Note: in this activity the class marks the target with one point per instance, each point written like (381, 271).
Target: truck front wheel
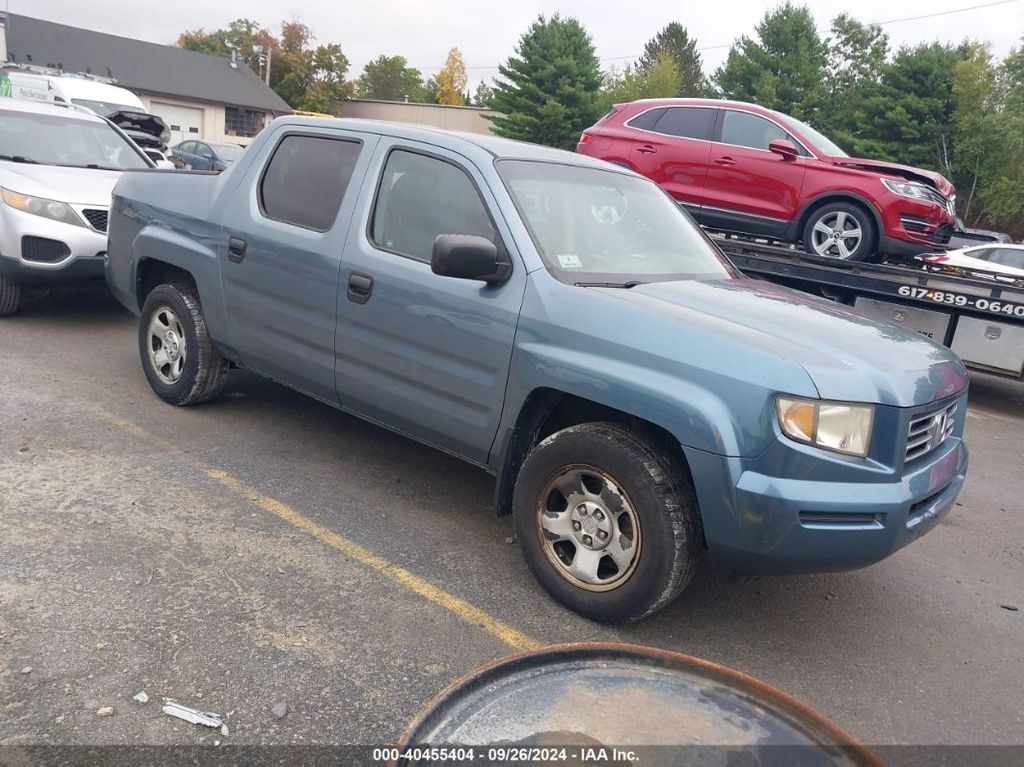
(607, 521)
(10, 296)
(178, 356)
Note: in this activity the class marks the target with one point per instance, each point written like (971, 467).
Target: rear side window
(646, 120)
(421, 197)
(306, 179)
(1008, 257)
(687, 122)
(745, 129)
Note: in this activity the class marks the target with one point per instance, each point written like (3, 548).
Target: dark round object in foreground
(664, 707)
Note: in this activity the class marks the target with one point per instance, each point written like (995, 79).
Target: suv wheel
(178, 356)
(607, 521)
(840, 230)
(10, 296)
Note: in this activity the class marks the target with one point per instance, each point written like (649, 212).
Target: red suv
(742, 168)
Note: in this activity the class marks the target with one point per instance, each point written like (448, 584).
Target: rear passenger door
(673, 148)
(424, 354)
(285, 229)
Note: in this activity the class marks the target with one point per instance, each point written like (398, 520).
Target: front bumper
(911, 227)
(83, 252)
(760, 523)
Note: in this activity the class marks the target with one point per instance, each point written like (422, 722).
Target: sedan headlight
(40, 206)
(909, 189)
(838, 426)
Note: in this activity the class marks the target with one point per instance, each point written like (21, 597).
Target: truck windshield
(73, 142)
(598, 226)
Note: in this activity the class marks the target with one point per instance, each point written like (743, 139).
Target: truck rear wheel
(608, 522)
(10, 296)
(178, 356)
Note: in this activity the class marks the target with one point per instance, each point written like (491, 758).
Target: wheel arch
(546, 411)
(152, 272)
(819, 201)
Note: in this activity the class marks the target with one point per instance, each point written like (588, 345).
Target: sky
(424, 30)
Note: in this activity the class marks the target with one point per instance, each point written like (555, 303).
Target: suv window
(745, 129)
(188, 147)
(306, 178)
(646, 120)
(688, 122)
(421, 197)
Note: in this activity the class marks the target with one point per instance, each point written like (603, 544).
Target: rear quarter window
(646, 120)
(306, 179)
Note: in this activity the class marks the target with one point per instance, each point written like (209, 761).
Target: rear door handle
(646, 149)
(360, 286)
(236, 249)
(725, 161)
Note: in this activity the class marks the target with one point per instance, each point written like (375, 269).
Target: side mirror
(468, 257)
(784, 148)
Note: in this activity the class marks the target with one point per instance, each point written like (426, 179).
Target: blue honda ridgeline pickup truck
(559, 322)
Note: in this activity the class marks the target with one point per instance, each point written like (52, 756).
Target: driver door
(423, 354)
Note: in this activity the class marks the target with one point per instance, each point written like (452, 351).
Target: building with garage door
(200, 96)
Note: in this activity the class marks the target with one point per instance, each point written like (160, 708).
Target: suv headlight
(838, 426)
(913, 189)
(40, 206)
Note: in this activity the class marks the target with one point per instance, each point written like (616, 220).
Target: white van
(101, 98)
(26, 86)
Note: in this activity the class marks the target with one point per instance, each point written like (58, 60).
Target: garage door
(185, 122)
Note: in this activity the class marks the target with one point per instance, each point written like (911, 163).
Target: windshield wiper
(19, 158)
(628, 284)
(88, 165)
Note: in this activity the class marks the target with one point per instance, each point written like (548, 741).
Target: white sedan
(996, 258)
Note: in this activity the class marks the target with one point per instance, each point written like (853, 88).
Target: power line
(933, 15)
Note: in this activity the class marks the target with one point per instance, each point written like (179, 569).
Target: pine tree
(674, 41)
(547, 91)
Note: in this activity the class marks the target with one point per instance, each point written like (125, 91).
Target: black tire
(10, 296)
(656, 486)
(204, 371)
(866, 247)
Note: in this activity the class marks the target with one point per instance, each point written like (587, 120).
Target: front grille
(929, 430)
(43, 250)
(942, 234)
(97, 218)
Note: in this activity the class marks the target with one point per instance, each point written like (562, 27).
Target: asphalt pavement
(266, 549)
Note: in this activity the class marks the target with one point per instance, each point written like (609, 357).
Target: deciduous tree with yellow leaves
(452, 79)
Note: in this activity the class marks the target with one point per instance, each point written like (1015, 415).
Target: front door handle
(236, 249)
(646, 149)
(725, 161)
(360, 286)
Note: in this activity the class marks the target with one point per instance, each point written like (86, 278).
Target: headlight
(40, 206)
(909, 189)
(844, 428)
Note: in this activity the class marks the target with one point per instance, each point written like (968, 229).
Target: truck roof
(465, 142)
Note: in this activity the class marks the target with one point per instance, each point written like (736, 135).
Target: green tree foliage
(547, 90)
(659, 79)
(390, 78)
(306, 76)
(1001, 191)
(782, 68)
(856, 58)
(675, 42)
(483, 96)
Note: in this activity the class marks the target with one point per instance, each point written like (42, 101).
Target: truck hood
(848, 356)
(82, 186)
(932, 179)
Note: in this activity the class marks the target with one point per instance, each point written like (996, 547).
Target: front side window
(306, 179)
(421, 197)
(745, 129)
(73, 142)
(593, 225)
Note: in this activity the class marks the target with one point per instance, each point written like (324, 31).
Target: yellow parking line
(514, 638)
(467, 612)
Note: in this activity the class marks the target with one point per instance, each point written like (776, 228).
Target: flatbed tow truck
(979, 315)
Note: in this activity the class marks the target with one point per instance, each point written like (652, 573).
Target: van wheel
(10, 296)
(608, 521)
(178, 356)
(840, 230)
